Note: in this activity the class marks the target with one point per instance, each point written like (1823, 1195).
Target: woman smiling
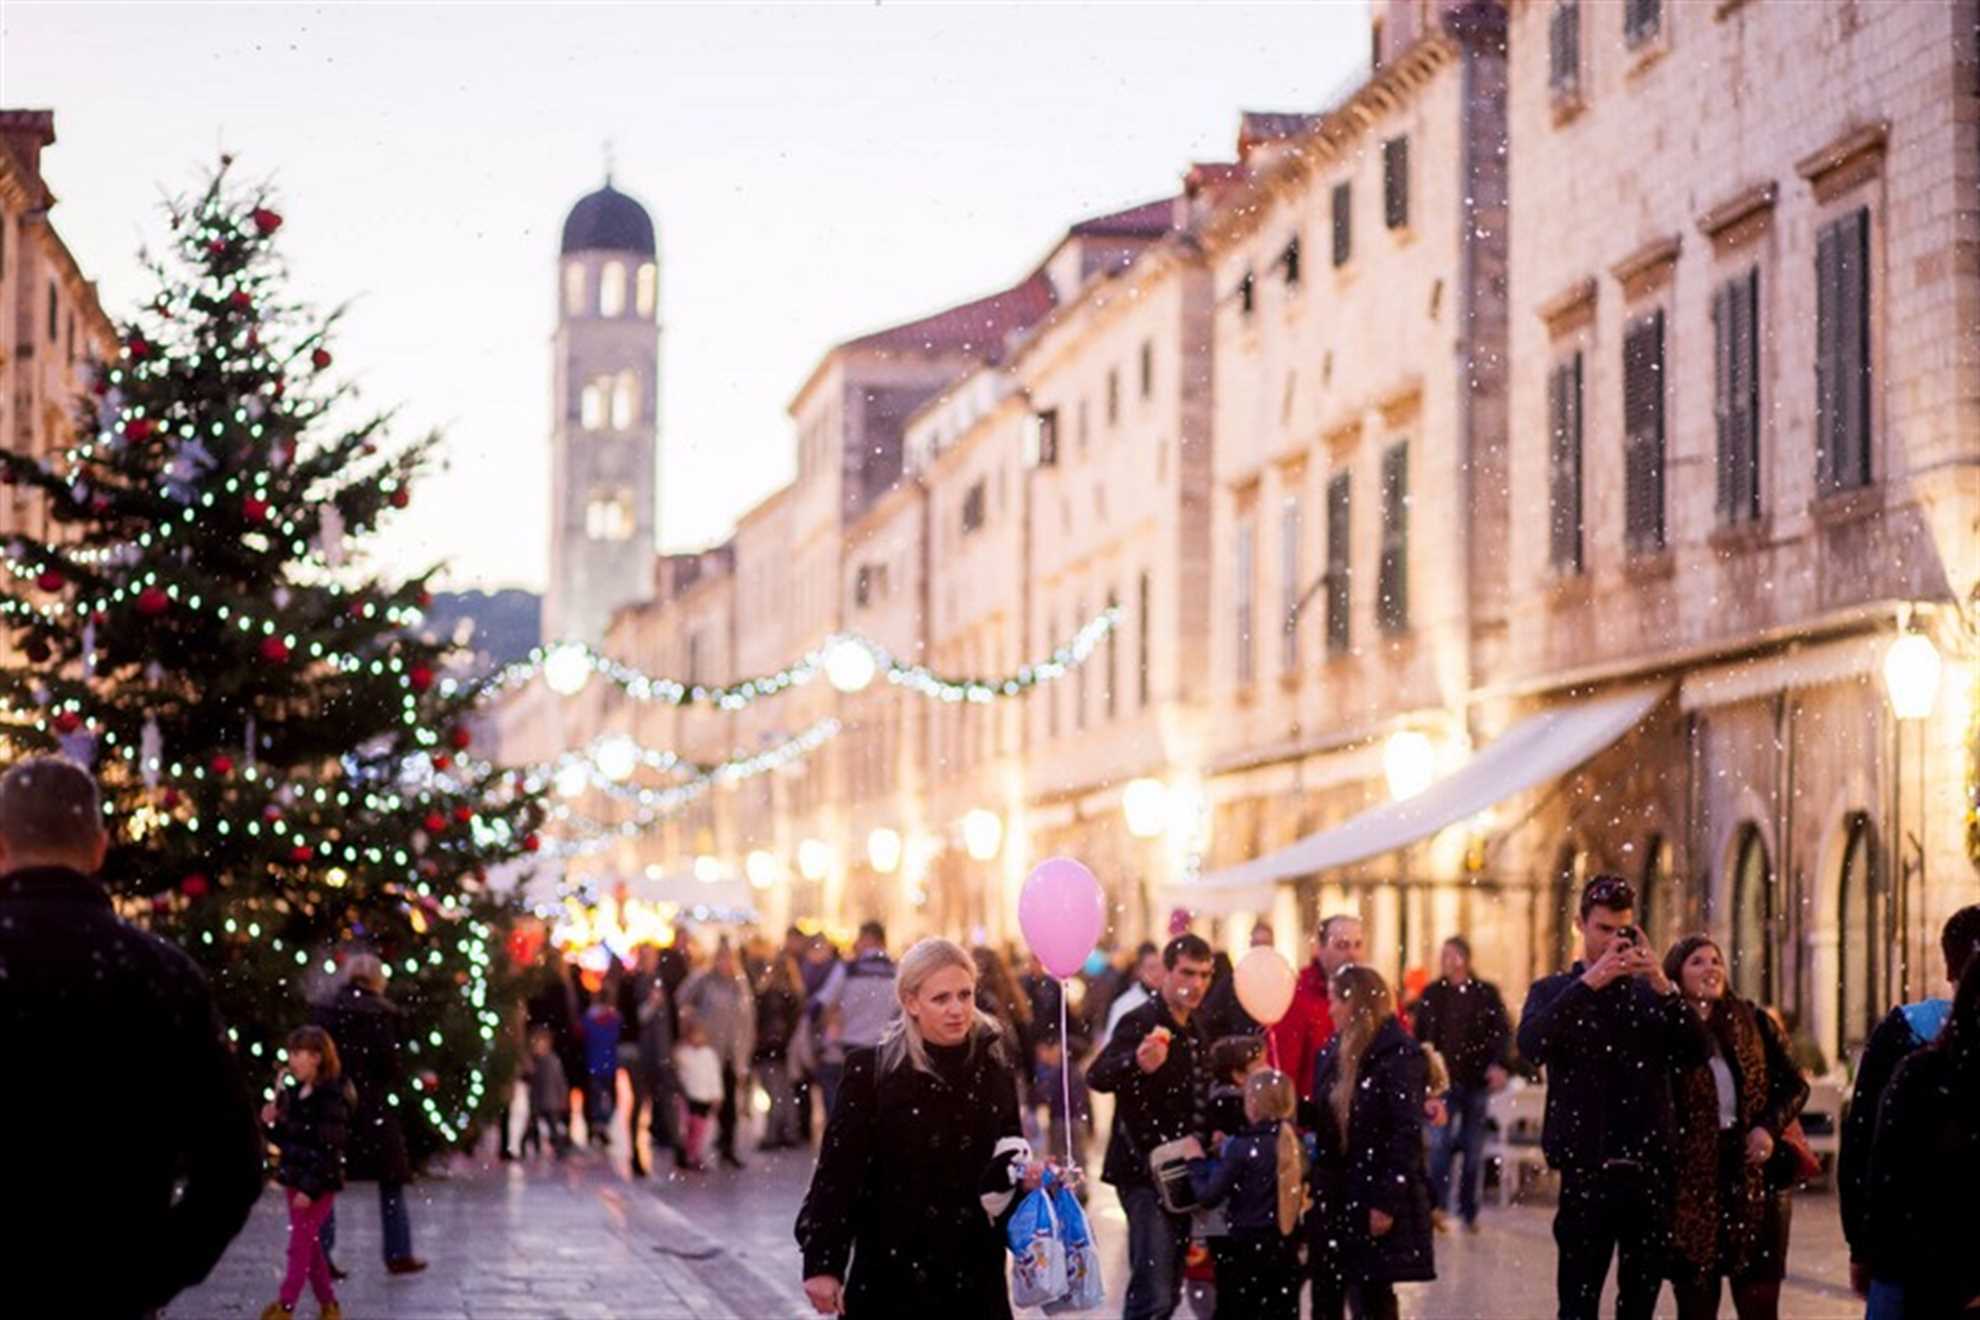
(922, 1159)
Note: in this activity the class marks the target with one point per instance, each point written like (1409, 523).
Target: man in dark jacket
(1908, 1028)
(1611, 1032)
(1223, 1015)
(134, 1069)
(365, 1025)
(1157, 1065)
(1464, 1020)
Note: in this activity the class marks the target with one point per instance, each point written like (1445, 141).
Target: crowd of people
(1320, 1152)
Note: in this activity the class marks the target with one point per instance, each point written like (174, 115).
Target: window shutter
(1643, 430)
(1853, 347)
(1395, 182)
(1393, 605)
(1339, 567)
(1745, 308)
(1343, 223)
(1828, 299)
(1564, 466)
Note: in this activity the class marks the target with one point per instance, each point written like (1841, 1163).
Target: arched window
(1753, 917)
(573, 289)
(609, 515)
(646, 285)
(625, 400)
(1653, 891)
(612, 289)
(1857, 897)
(594, 403)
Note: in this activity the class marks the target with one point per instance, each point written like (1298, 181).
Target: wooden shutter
(1564, 47)
(1641, 19)
(1339, 633)
(1395, 182)
(1343, 223)
(1564, 466)
(1392, 605)
(1853, 346)
(1744, 309)
(1828, 298)
(1643, 434)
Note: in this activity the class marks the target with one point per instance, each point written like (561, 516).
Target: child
(1233, 1060)
(601, 1059)
(307, 1122)
(549, 1096)
(699, 1071)
(1260, 1177)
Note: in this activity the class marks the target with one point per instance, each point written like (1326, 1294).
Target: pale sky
(815, 171)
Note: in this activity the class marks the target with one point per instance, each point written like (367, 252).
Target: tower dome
(608, 220)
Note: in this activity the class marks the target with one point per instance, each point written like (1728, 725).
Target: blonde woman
(922, 1159)
(1372, 1230)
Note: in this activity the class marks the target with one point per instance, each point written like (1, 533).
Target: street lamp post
(1912, 670)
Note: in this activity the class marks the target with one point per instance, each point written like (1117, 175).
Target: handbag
(1168, 1165)
(1793, 1161)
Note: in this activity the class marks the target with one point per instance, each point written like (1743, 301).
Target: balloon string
(1272, 1049)
(1065, 1073)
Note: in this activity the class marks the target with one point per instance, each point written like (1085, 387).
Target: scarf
(1720, 1211)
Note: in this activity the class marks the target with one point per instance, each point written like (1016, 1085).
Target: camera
(1629, 935)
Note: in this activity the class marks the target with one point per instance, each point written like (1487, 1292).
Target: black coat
(1468, 1025)
(1924, 1220)
(1152, 1109)
(365, 1026)
(1379, 1166)
(1610, 1055)
(1895, 1039)
(778, 1013)
(900, 1184)
(1243, 1178)
(110, 1035)
(310, 1131)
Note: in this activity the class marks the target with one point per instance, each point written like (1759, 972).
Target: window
(1857, 1000)
(1113, 395)
(594, 403)
(54, 314)
(625, 400)
(1045, 429)
(1564, 48)
(609, 515)
(1842, 353)
(1395, 182)
(694, 659)
(1142, 629)
(1243, 570)
(646, 285)
(1564, 467)
(1339, 561)
(1247, 294)
(1753, 918)
(1290, 260)
(1641, 19)
(1343, 223)
(869, 584)
(1643, 434)
(1147, 369)
(1289, 584)
(1392, 602)
(1080, 423)
(1736, 396)
(612, 289)
(1113, 661)
(972, 508)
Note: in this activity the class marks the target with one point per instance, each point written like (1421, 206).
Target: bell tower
(605, 432)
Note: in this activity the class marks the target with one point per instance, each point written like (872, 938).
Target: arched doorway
(1752, 917)
(1858, 895)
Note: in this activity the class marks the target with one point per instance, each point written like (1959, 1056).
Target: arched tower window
(574, 288)
(593, 403)
(646, 288)
(1857, 898)
(612, 289)
(1753, 917)
(608, 516)
(625, 400)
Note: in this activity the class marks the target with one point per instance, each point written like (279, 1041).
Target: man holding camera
(1611, 1031)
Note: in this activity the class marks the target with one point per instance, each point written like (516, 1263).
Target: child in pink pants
(307, 1122)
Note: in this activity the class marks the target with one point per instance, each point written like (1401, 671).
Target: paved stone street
(583, 1240)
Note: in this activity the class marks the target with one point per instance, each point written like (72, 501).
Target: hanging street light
(814, 858)
(1911, 675)
(567, 669)
(573, 779)
(883, 849)
(1409, 763)
(1145, 803)
(761, 868)
(850, 665)
(616, 757)
(983, 833)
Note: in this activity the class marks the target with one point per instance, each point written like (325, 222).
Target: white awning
(1537, 749)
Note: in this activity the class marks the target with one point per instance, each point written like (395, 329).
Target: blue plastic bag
(1084, 1289)
(1038, 1265)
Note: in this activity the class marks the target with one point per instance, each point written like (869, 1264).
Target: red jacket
(1304, 1031)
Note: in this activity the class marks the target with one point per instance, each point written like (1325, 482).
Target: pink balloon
(1265, 983)
(1061, 911)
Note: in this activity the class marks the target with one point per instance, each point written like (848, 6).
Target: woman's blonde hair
(1369, 1005)
(1269, 1097)
(901, 1042)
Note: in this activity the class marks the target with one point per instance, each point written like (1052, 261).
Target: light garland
(568, 666)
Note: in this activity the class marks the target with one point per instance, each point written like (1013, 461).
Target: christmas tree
(288, 776)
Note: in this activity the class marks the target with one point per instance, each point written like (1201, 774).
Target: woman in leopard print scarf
(1732, 1206)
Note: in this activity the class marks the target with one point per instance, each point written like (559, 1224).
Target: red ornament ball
(531, 843)
(221, 765)
(49, 580)
(169, 798)
(271, 812)
(160, 903)
(265, 220)
(153, 601)
(100, 504)
(137, 347)
(139, 428)
(435, 822)
(67, 723)
(254, 510)
(241, 300)
(463, 814)
(425, 598)
(461, 737)
(320, 358)
(401, 498)
(274, 650)
(443, 761)
(217, 247)
(194, 885)
(420, 678)
(299, 854)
